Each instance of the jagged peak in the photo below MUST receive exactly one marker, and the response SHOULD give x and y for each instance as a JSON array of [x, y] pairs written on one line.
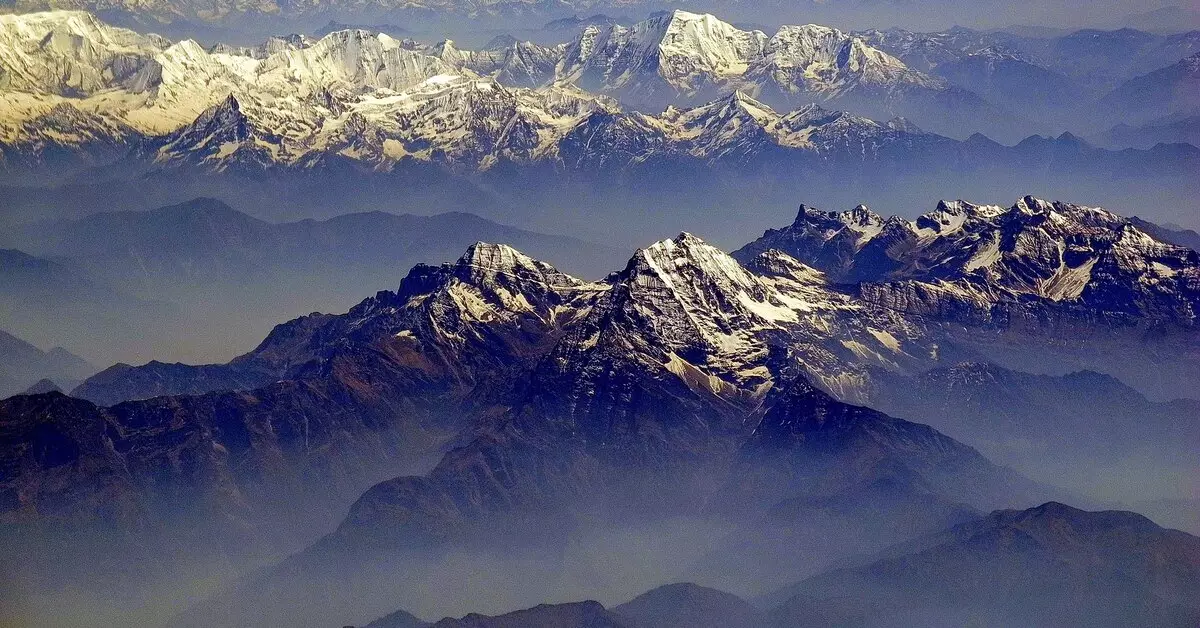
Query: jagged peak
[[228, 111], [64, 112], [1080, 215], [186, 48], [861, 214], [735, 104], [683, 241], [357, 35], [700, 36], [812, 110], [814, 116], [490, 280], [495, 257], [484, 260], [805, 43], [690, 256], [448, 52], [694, 299], [858, 216], [948, 216], [744, 100], [810, 31], [1032, 205]]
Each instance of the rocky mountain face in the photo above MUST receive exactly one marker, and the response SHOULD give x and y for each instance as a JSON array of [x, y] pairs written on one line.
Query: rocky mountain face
[[1005, 277], [1016, 566], [1176, 235], [773, 312], [879, 294], [231, 277], [226, 277], [977, 257], [305, 345]]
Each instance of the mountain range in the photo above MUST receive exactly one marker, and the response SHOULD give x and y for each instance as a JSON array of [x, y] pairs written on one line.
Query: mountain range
[[955, 82], [402, 372], [1086, 431], [1036, 555], [1016, 567], [222, 269], [1156, 16], [517, 408], [107, 117], [1057, 252], [290, 89], [1086, 273], [1170, 91], [869, 417], [49, 301], [24, 366], [205, 240]]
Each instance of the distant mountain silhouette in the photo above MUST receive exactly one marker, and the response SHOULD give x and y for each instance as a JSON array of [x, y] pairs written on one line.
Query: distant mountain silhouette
[[1052, 565]]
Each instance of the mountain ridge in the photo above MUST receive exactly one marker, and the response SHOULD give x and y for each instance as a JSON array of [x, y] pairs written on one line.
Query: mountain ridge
[[685, 384], [1022, 551]]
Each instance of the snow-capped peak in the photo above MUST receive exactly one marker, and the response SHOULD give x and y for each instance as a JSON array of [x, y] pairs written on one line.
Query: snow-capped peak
[[491, 283], [89, 29], [354, 59], [692, 294], [684, 49], [687, 256], [70, 53], [694, 53], [720, 327], [484, 259], [691, 42], [364, 96]]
